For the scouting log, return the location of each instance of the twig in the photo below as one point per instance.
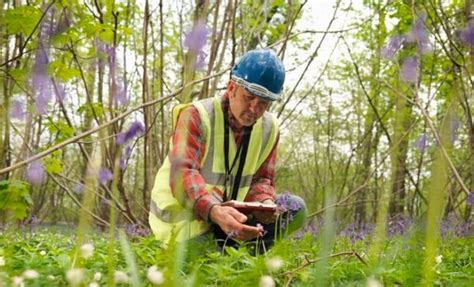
(104, 125)
(311, 261)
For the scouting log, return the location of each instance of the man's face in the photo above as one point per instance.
(244, 106)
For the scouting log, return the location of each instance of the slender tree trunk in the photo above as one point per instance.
(148, 157)
(468, 97)
(4, 118)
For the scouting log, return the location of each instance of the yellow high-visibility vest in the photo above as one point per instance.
(169, 217)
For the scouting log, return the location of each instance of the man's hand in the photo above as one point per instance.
(231, 222)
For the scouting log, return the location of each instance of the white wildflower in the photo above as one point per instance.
(2, 261)
(97, 276)
(274, 264)
(439, 259)
(87, 250)
(30, 274)
(121, 277)
(155, 276)
(372, 282)
(75, 276)
(93, 284)
(17, 281)
(267, 281)
(42, 253)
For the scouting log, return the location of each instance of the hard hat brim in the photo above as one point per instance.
(256, 89)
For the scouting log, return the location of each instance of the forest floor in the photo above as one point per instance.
(43, 256)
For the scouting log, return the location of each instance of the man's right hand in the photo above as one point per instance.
(232, 221)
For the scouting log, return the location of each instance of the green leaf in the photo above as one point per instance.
(53, 165)
(62, 72)
(61, 128)
(88, 108)
(22, 20)
(15, 198)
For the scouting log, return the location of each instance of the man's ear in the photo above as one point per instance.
(230, 86)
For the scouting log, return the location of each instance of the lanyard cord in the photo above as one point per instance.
(241, 153)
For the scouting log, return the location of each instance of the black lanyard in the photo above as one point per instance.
(241, 153)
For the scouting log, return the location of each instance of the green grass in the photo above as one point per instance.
(50, 252)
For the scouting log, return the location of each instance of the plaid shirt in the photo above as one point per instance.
(185, 157)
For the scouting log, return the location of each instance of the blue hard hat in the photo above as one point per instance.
(261, 73)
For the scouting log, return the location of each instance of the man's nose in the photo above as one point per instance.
(253, 105)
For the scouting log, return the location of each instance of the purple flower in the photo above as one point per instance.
(17, 110)
(454, 128)
(40, 81)
(200, 60)
(289, 206)
(467, 35)
(452, 225)
(399, 225)
(233, 234)
(120, 96)
(79, 188)
(35, 173)
(422, 142)
(60, 93)
(125, 157)
(34, 220)
(136, 230)
(357, 231)
(470, 199)
(409, 70)
(393, 46)
(105, 175)
(122, 163)
(195, 39)
(135, 129)
(121, 138)
(310, 228)
(418, 34)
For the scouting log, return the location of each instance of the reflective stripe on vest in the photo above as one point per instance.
(168, 217)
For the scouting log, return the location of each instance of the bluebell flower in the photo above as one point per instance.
(422, 142)
(470, 199)
(79, 188)
(195, 40)
(419, 35)
(467, 35)
(120, 96)
(17, 110)
(455, 125)
(394, 44)
(105, 175)
(135, 129)
(409, 70)
(35, 173)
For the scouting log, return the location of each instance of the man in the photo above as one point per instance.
(224, 148)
